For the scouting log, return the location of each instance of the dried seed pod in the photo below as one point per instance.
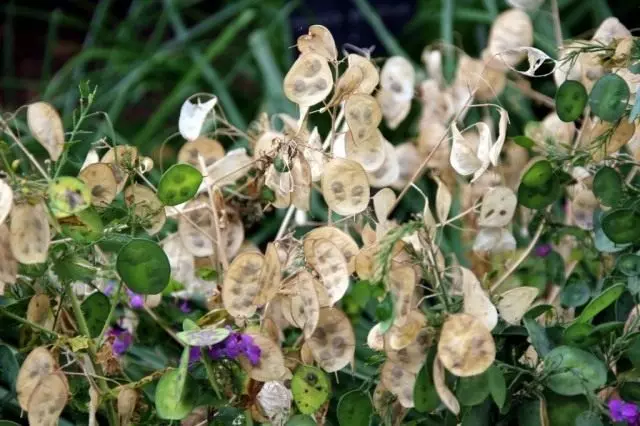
(122, 159)
(127, 400)
(375, 338)
(30, 234)
(476, 302)
(347, 84)
(229, 168)
(270, 276)
(557, 130)
(48, 400)
(301, 175)
(314, 155)
(475, 74)
(306, 356)
(198, 239)
(347, 246)
(46, 127)
(321, 291)
(568, 69)
(443, 201)
(368, 152)
(399, 382)
(365, 262)
(610, 29)
(101, 181)
(268, 144)
(210, 149)
(409, 162)
(370, 76)
(494, 240)
(383, 202)
(331, 265)
(514, 303)
(275, 400)
(345, 187)
(403, 332)
(270, 329)
(8, 263)
(402, 283)
(412, 356)
(305, 307)
(387, 174)
(91, 158)
(466, 347)
(241, 284)
(362, 114)
(398, 77)
(271, 365)
(621, 134)
(511, 30)
(146, 206)
(318, 40)
(38, 365)
(446, 396)
(38, 309)
(583, 205)
(394, 110)
(6, 200)
(467, 159)
(193, 116)
(498, 207)
(333, 342)
(309, 80)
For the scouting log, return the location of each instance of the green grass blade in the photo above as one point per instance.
(52, 38)
(446, 33)
(388, 40)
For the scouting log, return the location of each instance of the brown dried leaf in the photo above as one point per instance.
(333, 342)
(270, 276)
(331, 265)
(46, 127)
(345, 187)
(309, 80)
(466, 347)
(101, 181)
(146, 206)
(241, 284)
(30, 234)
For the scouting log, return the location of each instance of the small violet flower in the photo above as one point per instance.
(235, 345)
(543, 250)
(136, 301)
(184, 306)
(122, 340)
(624, 411)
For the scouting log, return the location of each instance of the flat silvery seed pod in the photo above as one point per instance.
(368, 152)
(46, 127)
(466, 347)
(394, 108)
(309, 80)
(318, 40)
(48, 400)
(362, 114)
(402, 283)
(609, 30)
(347, 245)
(345, 187)
(193, 116)
(233, 234)
(498, 207)
(271, 365)
(122, 158)
(101, 181)
(365, 262)
(195, 228)
(228, 169)
(301, 176)
(510, 30)
(398, 76)
(583, 205)
(333, 343)
(399, 382)
(30, 234)
(146, 206)
(383, 203)
(476, 301)
(314, 155)
(514, 303)
(6, 200)
(408, 162)
(38, 365)
(466, 160)
(38, 309)
(91, 158)
(375, 338)
(389, 172)
(443, 201)
(494, 240)
(412, 356)
(445, 394)
(332, 267)
(370, 77)
(557, 130)
(305, 307)
(210, 149)
(347, 84)
(476, 74)
(270, 276)
(8, 263)
(275, 400)
(405, 331)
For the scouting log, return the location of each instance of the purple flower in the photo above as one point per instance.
(136, 301)
(235, 345)
(109, 288)
(194, 354)
(543, 250)
(623, 411)
(122, 340)
(184, 306)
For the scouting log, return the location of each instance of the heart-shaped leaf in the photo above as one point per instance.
(310, 387)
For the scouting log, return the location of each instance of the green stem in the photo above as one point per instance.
(38, 327)
(389, 42)
(84, 329)
(210, 374)
(446, 33)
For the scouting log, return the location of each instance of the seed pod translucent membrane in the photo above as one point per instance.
(228, 169)
(510, 30)
(309, 80)
(498, 207)
(241, 284)
(476, 302)
(48, 400)
(122, 158)
(331, 265)
(38, 365)
(443, 201)
(333, 342)
(370, 77)
(404, 331)
(389, 172)
(445, 394)
(402, 283)
(399, 382)
(345, 187)
(193, 116)
(8, 263)
(514, 303)
(271, 365)
(198, 239)
(210, 149)
(305, 307)
(46, 127)
(347, 246)
(398, 77)
(394, 110)
(6, 200)
(101, 181)
(368, 152)
(318, 40)
(146, 206)
(301, 176)
(30, 234)
(494, 240)
(270, 276)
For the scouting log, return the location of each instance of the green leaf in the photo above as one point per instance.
(539, 186)
(9, 367)
(497, 385)
(425, 397)
(183, 372)
(538, 174)
(538, 310)
(310, 387)
(538, 335)
(564, 410)
(578, 334)
(524, 142)
(573, 371)
(633, 285)
(478, 415)
(204, 337)
(355, 409)
(189, 325)
(575, 293)
(179, 184)
(571, 98)
(171, 402)
(609, 97)
(529, 414)
(96, 310)
(600, 303)
(68, 196)
(473, 390)
(601, 241)
(301, 420)
(633, 351)
(143, 266)
(629, 264)
(635, 111)
(588, 418)
(74, 268)
(608, 186)
(88, 231)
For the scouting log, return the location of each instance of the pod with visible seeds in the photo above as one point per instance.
(46, 127)
(347, 246)
(370, 76)
(305, 307)
(209, 149)
(270, 276)
(301, 176)
(122, 158)
(404, 332)
(271, 365)
(333, 342)
(38, 365)
(241, 284)
(30, 234)
(402, 283)
(8, 262)
(345, 187)
(146, 206)
(498, 207)
(514, 303)
(309, 80)
(389, 172)
(331, 265)
(68, 196)
(48, 400)
(398, 77)
(399, 382)
(101, 181)
(195, 228)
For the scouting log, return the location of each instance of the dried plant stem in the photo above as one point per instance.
(7, 130)
(285, 222)
(210, 373)
(557, 28)
(525, 88)
(522, 257)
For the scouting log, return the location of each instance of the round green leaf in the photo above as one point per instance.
(171, 402)
(524, 142)
(425, 397)
(355, 409)
(143, 266)
(538, 174)
(601, 302)
(87, 230)
(578, 334)
(633, 351)
(310, 387)
(588, 418)
(96, 309)
(539, 197)
(497, 385)
(179, 184)
(472, 390)
(629, 264)
(571, 98)
(9, 367)
(564, 410)
(609, 97)
(621, 226)
(205, 337)
(573, 371)
(575, 293)
(68, 196)
(301, 420)
(608, 186)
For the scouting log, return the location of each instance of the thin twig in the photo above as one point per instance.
(285, 222)
(557, 28)
(7, 130)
